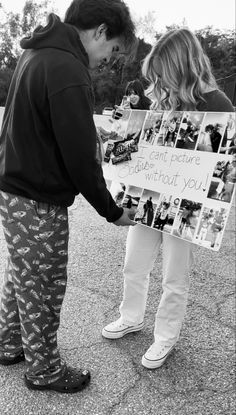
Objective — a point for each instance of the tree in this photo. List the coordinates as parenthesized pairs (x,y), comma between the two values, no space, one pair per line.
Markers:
(146,26)
(5,79)
(221,50)
(14,26)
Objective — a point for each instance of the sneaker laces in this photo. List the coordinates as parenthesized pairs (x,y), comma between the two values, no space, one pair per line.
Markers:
(119,324)
(159,349)
(123,325)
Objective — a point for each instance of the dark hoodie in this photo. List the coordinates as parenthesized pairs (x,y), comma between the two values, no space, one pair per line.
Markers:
(48,137)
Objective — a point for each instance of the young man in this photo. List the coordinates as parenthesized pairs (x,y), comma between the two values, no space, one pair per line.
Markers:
(47,156)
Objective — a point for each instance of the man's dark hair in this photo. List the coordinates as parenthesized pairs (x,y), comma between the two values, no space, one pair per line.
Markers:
(88,14)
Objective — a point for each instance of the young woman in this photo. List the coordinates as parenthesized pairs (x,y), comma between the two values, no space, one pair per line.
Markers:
(136,96)
(180,79)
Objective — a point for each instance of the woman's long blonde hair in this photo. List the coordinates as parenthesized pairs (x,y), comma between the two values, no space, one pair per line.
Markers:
(185,71)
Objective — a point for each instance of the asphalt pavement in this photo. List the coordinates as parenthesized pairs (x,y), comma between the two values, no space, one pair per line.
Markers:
(197,378)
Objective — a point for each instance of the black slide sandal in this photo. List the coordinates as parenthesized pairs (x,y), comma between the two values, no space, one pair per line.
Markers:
(73,380)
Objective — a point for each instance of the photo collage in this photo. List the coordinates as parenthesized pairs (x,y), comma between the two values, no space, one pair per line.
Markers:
(201,131)
(197,222)
(185,219)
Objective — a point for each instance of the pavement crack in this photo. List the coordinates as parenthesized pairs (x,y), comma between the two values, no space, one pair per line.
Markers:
(124,395)
(214,316)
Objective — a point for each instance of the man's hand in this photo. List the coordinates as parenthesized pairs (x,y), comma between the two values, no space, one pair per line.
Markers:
(125,220)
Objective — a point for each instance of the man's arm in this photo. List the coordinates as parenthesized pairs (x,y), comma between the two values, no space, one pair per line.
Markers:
(75,133)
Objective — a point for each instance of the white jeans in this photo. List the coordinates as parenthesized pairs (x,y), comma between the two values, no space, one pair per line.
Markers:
(142,248)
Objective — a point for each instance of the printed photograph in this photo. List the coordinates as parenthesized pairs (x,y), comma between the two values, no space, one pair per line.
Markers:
(135,125)
(228,145)
(169,129)
(223,180)
(116,131)
(119,126)
(189,130)
(186,220)
(211,227)
(151,127)
(117,191)
(131,199)
(212,131)
(146,207)
(124,137)
(166,213)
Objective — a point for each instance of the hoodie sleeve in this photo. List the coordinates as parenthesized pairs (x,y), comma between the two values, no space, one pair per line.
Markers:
(75,132)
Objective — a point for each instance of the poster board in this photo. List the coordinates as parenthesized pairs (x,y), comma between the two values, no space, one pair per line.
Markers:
(175,171)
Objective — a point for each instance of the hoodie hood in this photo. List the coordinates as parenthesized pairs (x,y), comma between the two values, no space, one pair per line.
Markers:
(56,35)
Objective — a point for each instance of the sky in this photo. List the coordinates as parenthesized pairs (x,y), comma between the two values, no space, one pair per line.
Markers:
(197,13)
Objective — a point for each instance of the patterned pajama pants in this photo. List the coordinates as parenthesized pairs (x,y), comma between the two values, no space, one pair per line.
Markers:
(35,283)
